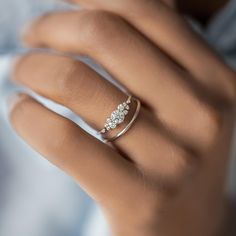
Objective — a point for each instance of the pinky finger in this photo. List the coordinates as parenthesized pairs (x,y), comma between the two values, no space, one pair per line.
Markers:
(97,167)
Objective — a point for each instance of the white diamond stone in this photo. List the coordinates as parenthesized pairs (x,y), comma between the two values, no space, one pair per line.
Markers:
(114,115)
(120,107)
(117,116)
(116,121)
(121,114)
(113,125)
(121,118)
(103,131)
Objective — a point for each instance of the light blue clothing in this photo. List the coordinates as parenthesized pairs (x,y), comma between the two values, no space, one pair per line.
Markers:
(36,198)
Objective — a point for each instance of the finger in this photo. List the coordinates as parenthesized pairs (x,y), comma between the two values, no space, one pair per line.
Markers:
(70,83)
(168,30)
(160,83)
(89,33)
(93,98)
(94,165)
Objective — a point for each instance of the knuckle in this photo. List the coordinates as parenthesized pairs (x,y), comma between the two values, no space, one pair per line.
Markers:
(186,164)
(142,194)
(211,121)
(232,87)
(225,88)
(228,89)
(150,206)
(183,167)
(100,26)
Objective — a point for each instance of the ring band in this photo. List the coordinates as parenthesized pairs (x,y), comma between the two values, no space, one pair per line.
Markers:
(118,117)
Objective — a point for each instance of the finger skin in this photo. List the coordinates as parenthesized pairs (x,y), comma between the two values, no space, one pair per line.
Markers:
(63,143)
(200,200)
(160,83)
(70,83)
(77,87)
(115,183)
(169,31)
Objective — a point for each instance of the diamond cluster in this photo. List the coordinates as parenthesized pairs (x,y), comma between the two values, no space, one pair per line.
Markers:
(117,117)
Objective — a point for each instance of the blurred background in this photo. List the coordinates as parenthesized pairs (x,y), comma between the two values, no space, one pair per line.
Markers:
(37,199)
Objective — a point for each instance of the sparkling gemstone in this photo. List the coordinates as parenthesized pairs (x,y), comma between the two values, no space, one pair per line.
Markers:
(114,115)
(103,131)
(116,121)
(125,112)
(110,123)
(121,107)
(121,117)
(117,117)
(121,114)
(113,125)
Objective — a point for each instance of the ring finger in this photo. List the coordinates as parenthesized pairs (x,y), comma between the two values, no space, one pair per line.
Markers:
(81,89)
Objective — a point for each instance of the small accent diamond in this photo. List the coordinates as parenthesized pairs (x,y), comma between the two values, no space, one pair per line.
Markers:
(121,107)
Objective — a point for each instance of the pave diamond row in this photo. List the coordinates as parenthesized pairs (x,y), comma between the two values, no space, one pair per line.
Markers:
(117,117)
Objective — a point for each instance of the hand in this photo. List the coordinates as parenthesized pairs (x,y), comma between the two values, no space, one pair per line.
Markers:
(166,175)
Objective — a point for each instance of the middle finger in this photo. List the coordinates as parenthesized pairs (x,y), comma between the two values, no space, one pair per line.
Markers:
(160,83)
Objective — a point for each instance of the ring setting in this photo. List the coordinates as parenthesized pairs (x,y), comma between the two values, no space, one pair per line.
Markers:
(118,117)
